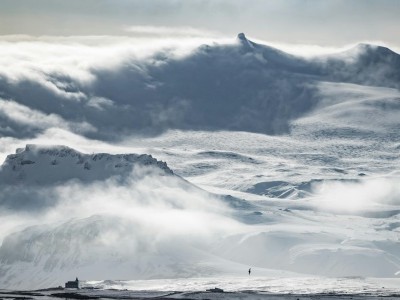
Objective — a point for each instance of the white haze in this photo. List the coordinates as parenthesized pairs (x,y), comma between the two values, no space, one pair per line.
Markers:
(163,205)
(35,58)
(367,195)
(167,31)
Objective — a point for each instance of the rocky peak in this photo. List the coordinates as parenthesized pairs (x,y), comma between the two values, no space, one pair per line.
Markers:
(40,164)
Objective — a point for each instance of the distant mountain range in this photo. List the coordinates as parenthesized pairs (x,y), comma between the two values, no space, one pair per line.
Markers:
(241,86)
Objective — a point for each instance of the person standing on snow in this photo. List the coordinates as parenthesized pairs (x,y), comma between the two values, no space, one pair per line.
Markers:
(249,271)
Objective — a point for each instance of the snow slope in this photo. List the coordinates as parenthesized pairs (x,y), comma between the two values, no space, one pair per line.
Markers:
(135,238)
(126,216)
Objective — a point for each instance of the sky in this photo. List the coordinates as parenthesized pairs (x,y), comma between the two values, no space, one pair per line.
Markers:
(325,23)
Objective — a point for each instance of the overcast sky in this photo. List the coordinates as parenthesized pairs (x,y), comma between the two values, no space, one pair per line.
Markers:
(322,22)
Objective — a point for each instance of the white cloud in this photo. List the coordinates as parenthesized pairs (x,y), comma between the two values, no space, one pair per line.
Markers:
(100,103)
(367,195)
(24,115)
(164,31)
(155,211)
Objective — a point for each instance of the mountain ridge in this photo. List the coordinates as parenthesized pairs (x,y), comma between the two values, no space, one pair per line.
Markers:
(40,164)
(239,86)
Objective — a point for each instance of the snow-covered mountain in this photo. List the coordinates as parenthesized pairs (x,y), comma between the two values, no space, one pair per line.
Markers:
(159,226)
(237,86)
(50,165)
(282,163)
(103,213)
(366,64)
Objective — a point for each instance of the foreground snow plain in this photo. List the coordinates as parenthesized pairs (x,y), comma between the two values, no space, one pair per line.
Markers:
(301,285)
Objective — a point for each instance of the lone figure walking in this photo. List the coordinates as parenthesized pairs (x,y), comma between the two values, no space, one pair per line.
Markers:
(249,271)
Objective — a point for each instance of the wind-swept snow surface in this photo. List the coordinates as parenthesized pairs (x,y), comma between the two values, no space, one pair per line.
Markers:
(254,287)
(283,164)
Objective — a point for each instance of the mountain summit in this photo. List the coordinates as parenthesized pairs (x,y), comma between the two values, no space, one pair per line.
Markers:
(45,165)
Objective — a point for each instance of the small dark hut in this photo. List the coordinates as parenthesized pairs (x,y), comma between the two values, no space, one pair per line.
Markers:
(72,284)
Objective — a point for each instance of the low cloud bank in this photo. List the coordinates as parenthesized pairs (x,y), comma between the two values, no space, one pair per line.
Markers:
(153,225)
(369,195)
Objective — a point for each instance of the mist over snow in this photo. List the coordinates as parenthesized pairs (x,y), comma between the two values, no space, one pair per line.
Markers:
(180,157)
(128,213)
